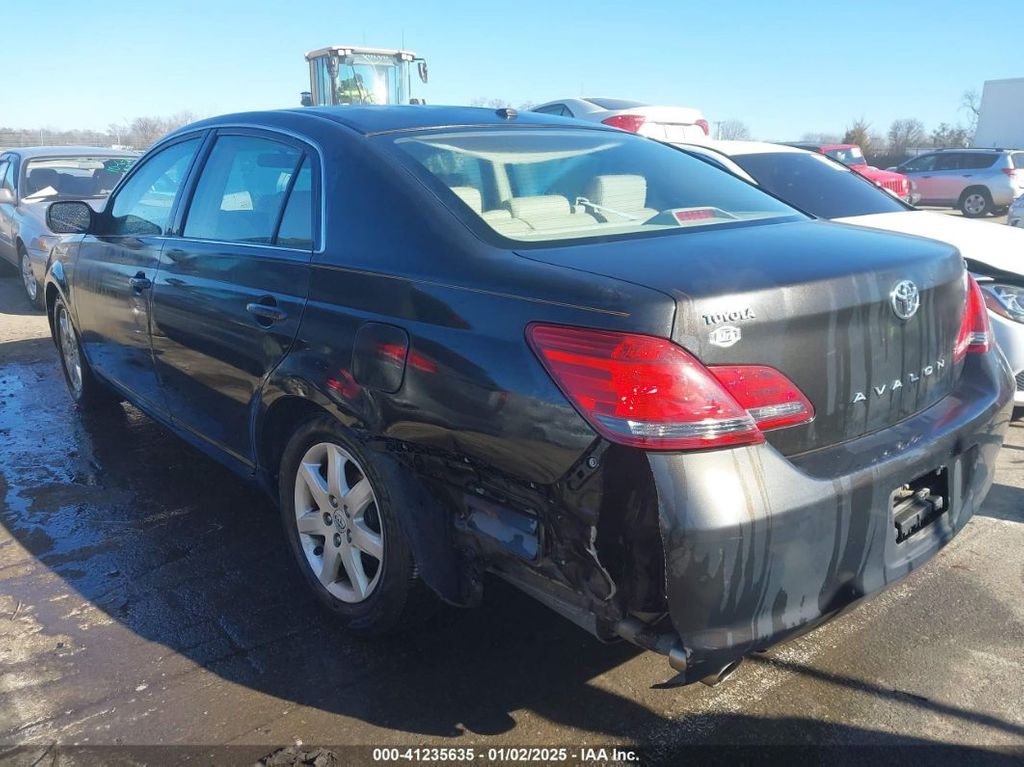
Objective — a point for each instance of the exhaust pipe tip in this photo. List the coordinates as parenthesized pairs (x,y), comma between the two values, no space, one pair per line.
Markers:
(713,680)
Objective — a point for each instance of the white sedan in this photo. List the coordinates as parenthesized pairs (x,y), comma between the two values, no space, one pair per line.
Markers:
(659,122)
(826,189)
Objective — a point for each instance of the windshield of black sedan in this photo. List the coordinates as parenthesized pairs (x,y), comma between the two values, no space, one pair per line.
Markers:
(74,177)
(815,185)
(541,185)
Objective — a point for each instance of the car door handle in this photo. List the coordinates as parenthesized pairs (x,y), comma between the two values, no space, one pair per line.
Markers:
(967,175)
(140,282)
(266,313)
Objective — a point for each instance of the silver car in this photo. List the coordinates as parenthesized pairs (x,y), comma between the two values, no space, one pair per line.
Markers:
(977,181)
(32,178)
(1016,214)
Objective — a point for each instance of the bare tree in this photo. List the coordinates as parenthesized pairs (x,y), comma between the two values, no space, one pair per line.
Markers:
(732,130)
(145,131)
(970,102)
(821,138)
(483,101)
(904,134)
(859,134)
(950,136)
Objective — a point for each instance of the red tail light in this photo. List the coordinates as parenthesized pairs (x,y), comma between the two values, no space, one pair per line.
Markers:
(703,125)
(1011,172)
(647,392)
(772,400)
(976,329)
(631,123)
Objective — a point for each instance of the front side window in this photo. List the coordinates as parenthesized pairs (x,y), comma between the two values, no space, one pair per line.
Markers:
(5,174)
(144,204)
(542,185)
(925,162)
(242,190)
(813,184)
(363,78)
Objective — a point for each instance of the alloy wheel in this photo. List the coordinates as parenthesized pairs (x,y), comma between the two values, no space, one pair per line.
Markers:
(338,521)
(31,286)
(69,350)
(975,203)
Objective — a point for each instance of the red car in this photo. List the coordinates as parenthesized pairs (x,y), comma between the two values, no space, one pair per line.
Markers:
(852,156)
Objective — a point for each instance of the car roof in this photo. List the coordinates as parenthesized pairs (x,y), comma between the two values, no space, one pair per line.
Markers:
(35,152)
(370,120)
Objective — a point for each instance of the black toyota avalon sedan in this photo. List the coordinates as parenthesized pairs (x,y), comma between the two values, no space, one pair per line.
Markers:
(456,341)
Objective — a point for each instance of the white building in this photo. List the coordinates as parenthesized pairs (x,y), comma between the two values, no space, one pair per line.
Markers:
(1001,121)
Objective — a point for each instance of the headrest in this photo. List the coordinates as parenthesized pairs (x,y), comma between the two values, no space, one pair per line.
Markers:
(541,206)
(41,178)
(625,191)
(471,196)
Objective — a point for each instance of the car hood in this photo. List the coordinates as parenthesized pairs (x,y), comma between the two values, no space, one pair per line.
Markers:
(1000,247)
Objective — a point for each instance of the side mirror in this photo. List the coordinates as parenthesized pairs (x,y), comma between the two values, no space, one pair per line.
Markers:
(70,217)
(421,67)
(6,196)
(307,99)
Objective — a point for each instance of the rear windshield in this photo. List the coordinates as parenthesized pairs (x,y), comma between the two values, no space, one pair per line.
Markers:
(813,184)
(544,185)
(1018,159)
(75,177)
(616,103)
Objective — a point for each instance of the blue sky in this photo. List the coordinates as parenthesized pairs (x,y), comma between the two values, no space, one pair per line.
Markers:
(784,68)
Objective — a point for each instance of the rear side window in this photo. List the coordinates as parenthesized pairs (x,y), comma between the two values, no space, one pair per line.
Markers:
(617,103)
(143,205)
(817,186)
(545,185)
(977,160)
(948,161)
(242,189)
(296,229)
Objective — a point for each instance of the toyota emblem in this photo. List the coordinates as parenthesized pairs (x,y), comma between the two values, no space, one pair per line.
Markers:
(905,299)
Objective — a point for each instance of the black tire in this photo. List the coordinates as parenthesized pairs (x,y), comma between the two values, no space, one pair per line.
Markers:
(35,298)
(975,202)
(88,391)
(399,598)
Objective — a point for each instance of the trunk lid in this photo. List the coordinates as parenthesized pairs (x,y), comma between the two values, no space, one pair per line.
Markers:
(670,123)
(811,299)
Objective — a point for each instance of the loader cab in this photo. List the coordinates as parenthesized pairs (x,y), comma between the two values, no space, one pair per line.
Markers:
(348,75)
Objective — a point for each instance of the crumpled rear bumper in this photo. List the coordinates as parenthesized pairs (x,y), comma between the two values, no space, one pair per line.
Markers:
(760,547)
